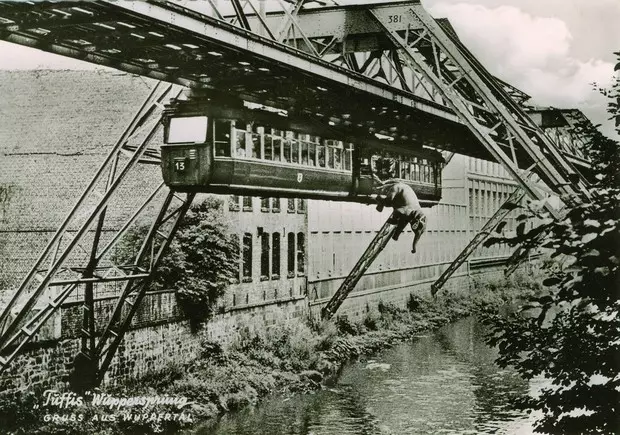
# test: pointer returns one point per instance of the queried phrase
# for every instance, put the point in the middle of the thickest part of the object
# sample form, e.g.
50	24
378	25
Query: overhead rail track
357	82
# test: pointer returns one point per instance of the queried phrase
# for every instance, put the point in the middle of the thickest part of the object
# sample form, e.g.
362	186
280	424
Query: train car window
396	159
311	154
304	152
291	255
330	156
348	158
287	150
275	256
320	155
301	253
295	150
338	158
253	137
404	170
221	137
239	140
277	145
264	256
268	144
188	129
246	267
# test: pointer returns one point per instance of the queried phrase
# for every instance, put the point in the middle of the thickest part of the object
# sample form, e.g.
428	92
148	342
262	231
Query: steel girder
334	64
515	198
375	247
497	122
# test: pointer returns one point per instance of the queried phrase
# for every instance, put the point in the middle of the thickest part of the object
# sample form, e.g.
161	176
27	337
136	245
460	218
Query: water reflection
445	383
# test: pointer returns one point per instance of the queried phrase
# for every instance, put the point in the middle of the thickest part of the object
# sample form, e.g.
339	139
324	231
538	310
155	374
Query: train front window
187	129
221	137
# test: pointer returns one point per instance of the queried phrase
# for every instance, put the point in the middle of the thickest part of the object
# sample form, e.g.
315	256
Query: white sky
552	49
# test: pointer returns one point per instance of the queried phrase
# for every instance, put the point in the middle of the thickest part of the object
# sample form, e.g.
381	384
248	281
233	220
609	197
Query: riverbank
283	360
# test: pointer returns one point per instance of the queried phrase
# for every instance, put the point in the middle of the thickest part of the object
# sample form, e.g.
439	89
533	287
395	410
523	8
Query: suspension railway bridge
372	79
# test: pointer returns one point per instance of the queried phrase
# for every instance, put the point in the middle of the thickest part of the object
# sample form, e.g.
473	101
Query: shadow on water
445	382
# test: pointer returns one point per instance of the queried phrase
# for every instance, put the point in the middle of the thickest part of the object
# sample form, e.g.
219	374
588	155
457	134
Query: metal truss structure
378	243
386	68
54	274
513	201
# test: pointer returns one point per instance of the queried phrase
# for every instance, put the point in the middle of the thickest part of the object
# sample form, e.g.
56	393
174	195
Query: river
442	383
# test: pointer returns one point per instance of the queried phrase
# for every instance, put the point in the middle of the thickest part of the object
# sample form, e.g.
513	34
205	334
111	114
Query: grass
285	358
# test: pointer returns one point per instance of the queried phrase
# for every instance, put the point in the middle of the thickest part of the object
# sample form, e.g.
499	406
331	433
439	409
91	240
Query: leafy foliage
201	262
570	334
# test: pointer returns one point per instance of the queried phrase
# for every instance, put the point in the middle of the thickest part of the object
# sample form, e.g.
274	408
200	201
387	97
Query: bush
570	334
201	262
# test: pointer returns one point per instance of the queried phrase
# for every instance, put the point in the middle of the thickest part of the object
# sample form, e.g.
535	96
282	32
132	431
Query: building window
291	205
264	204
264	256
246	259
291	255
275	205
247	203
233	203
275	256
301	253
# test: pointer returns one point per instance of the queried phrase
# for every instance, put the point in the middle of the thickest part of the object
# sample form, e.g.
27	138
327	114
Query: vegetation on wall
201	261
570	335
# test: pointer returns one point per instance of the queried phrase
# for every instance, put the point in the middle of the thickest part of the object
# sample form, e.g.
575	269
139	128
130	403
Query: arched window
275	256
290	254
246	258
264	256
301	253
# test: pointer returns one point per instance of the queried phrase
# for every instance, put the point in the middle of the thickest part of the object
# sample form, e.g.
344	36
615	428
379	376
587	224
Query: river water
442	383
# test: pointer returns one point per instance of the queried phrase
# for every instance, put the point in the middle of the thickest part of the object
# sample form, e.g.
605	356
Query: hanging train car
240	157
